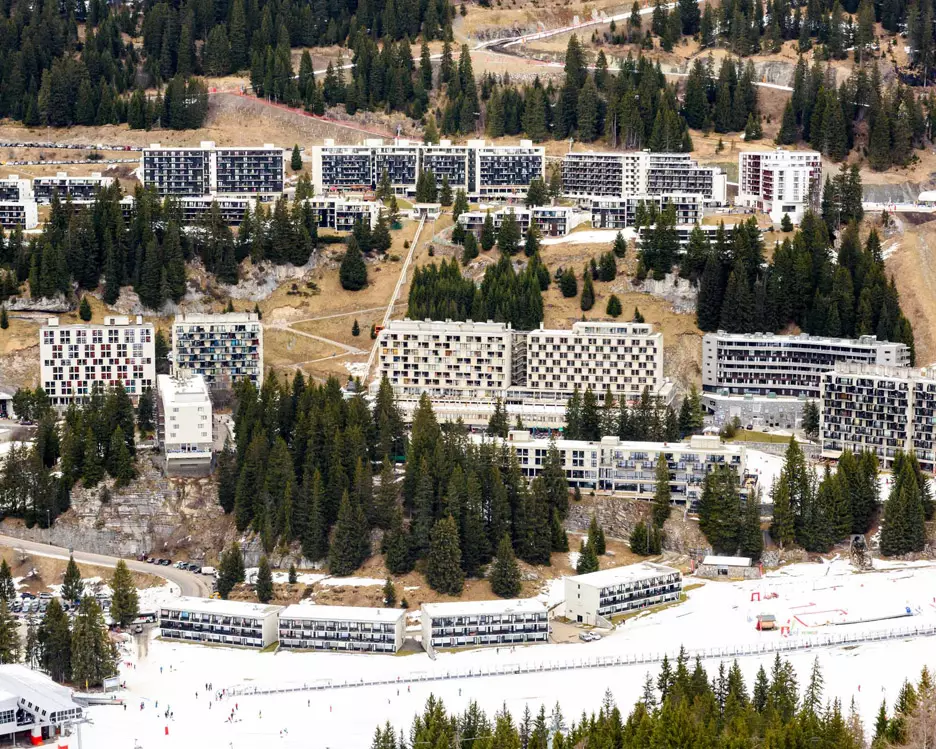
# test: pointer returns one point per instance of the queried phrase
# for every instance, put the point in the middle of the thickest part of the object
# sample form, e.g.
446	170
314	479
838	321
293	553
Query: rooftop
617	575
865	340
471	608
37	688
700	443
342	613
111	321
219	606
182	386
196	317
718	561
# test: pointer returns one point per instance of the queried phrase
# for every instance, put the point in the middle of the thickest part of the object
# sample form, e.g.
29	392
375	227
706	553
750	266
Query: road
189	583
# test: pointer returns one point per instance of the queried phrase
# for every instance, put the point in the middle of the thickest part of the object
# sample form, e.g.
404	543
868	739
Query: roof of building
470	608
697	443
718	561
618	575
184	385
37	688
199	317
219	606
927	196
306	610
110	321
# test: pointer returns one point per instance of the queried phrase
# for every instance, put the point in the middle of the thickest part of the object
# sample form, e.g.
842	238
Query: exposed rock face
677	291
25	304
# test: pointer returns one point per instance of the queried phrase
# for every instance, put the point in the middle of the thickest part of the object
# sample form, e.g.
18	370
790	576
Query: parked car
27	596
150	560
164	562
192	567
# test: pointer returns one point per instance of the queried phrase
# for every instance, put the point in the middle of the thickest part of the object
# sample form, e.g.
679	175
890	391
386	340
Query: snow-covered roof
471	608
618	575
30	686
219	606
927	196
342	613
718	561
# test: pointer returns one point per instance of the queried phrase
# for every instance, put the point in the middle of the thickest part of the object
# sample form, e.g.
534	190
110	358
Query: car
595	636
584	637
749	427
165	562
194	567
150	560
141	557
27	596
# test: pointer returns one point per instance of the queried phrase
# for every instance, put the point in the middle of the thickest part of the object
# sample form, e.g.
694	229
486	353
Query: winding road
189	583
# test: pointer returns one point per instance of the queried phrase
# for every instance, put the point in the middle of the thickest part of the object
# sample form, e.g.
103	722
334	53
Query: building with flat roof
717	567
598	596
881	409
13	189
551	221
77	187
464	624
629	468
184	423
621	213
74	359
341	214
200	170
779	182
222	348
231	207
359	629
19	213
33	705
212	620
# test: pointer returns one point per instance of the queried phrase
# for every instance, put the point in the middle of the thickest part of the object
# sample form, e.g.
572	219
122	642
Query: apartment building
74	359
212	620
623	357
357	629
483	171
464	624
341	214
779	182
205	169
77	187
879	408
597	597
629	468
621	213
684	231
19	213
231	207
551	221
13	189
221	348
765	378
184	423
589	176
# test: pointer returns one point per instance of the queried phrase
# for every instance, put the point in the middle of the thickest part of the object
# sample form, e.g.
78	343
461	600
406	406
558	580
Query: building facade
211	620
551	221
589	176
207	169
231	207
621	213
77	187
881	409
341	214
13	189
357	629
221	348
19	213
75	359
33	708
779	182
629	468
598	596
184	423
465	624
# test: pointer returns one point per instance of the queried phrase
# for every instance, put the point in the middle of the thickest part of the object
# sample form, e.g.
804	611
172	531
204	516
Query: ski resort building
621	213
221	348
483	171
206	169
184	423
464	624
212	620
357	629
74	359
879	408
589	176
551	221
80	187
597	597
231	207
33	708
19	213
13	189
779	182
629	468
765	378
341	214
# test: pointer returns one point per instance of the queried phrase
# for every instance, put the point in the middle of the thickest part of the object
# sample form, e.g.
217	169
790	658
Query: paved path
189	583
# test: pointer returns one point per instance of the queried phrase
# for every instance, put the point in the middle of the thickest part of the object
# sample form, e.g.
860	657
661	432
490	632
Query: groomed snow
716	614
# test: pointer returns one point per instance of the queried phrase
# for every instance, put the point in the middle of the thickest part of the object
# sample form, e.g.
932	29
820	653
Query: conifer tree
72	584
295	162
93	656
353	271
614	307
55	642
587	560
568	284
124	600
505	575
230	570
349	543
389	594
661	493
264	584
84	309
587	300
7	587
720	511
752	538
397	546
596	537
488	237
443	571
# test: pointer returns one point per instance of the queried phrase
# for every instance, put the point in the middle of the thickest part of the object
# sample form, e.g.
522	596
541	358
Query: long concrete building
462	624
621	213
214	621
551	221
597	597
209	169
356	629
77	187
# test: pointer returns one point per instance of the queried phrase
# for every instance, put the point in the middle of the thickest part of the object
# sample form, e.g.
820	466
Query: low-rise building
77	187
13	189
551	221
231	207
221	348
359	629
463	624
184	423
33	708
341	214
19	213
597	597
212	620
727	568
621	213
779	182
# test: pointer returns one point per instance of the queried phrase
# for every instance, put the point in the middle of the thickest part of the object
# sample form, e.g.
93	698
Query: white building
19	213
621	213
552	221
222	348
185	425
598	596
588	176
74	359
359	629
199	170
628	468
778	182
212	620
231	207
33	705
77	187
341	214
13	189
463	624
483	171
881	409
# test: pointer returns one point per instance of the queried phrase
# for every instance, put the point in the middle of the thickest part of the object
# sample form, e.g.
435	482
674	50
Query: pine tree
353	271
349	543
295	161
84	309
505	574
488	237
55	642
72	584
443	571
389	594
125	602
93	656
230	570
614	307
355	329
587	560
587	300
568	284
720	511
293	574
10	646
811	420
264	584
227	478
596	537
396	546
752	538
7	587
661	493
